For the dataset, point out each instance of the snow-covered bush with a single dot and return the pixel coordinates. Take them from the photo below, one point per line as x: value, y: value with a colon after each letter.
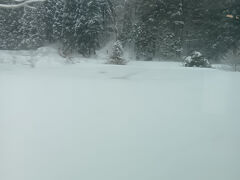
x: 117, y: 54
x: 196, y: 60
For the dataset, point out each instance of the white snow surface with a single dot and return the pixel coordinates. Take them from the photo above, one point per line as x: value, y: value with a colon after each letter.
x: 93, y: 121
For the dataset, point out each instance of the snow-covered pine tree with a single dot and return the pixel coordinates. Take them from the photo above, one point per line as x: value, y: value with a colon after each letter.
x: 33, y: 27
x: 85, y: 23
x: 229, y: 36
x: 150, y: 13
x: 169, y: 39
x: 98, y: 23
x: 92, y: 26
x: 119, y: 9
x: 108, y: 13
x: 54, y: 19
x: 126, y: 31
x: 9, y: 28
x: 205, y: 27
x: 174, y: 40
x: 155, y: 28
x: 117, y: 54
x: 68, y: 36
x: 159, y: 29
x: 216, y: 30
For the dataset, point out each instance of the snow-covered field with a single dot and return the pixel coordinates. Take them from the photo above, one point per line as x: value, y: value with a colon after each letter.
x: 93, y: 121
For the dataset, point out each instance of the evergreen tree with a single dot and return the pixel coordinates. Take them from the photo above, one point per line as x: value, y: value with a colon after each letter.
x: 69, y: 34
x: 117, y: 54
x: 85, y: 23
x: 54, y: 19
x: 9, y: 28
x: 120, y: 11
x: 154, y: 28
x: 229, y: 39
x: 207, y: 29
x: 126, y: 32
x: 194, y: 19
x: 159, y: 29
x: 151, y: 14
x: 33, y: 28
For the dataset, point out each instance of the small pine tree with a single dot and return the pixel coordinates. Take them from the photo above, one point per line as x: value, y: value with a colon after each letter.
x: 117, y: 54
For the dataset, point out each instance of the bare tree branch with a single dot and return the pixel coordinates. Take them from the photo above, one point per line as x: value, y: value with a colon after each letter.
x: 21, y: 3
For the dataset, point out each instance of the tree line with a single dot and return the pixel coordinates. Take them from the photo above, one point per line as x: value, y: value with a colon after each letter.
x: 151, y: 28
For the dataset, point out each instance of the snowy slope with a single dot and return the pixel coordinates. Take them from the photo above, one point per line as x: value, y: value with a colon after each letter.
x: 142, y: 121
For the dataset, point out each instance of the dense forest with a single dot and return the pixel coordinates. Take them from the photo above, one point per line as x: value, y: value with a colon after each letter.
x: 151, y: 28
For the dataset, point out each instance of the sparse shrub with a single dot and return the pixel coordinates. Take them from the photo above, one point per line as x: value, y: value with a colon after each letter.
x: 117, y: 54
x: 196, y: 60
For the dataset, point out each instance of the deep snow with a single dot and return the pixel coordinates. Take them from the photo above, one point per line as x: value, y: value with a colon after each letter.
x: 93, y: 121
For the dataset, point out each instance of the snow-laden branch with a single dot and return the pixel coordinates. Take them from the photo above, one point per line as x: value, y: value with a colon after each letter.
x: 21, y: 3
x: 233, y: 17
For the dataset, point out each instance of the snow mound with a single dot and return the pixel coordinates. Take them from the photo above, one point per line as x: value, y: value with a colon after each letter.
x: 48, y: 56
x: 44, y: 56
